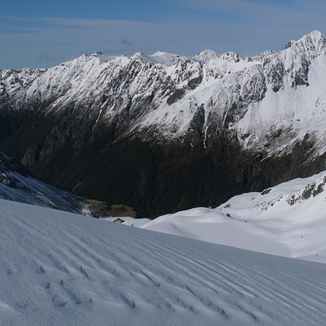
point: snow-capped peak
(103, 57)
(206, 55)
(310, 44)
(230, 56)
(165, 58)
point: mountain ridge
(153, 122)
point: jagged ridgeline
(163, 132)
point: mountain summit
(164, 132)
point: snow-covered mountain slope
(57, 268)
(17, 185)
(276, 95)
(163, 132)
(268, 102)
(287, 220)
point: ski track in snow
(58, 268)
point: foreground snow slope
(287, 220)
(57, 268)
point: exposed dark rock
(175, 96)
(151, 178)
(118, 220)
(193, 83)
(266, 191)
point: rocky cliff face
(164, 132)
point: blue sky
(44, 33)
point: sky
(41, 33)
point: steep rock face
(17, 184)
(165, 132)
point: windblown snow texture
(57, 268)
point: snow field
(58, 268)
(287, 220)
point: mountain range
(221, 125)
(163, 132)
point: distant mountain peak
(312, 42)
(206, 55)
